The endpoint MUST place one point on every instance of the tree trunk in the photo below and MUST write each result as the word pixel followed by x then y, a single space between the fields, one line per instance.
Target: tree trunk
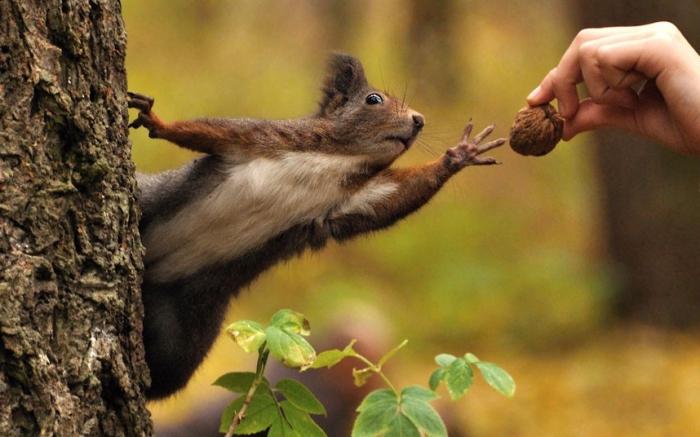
pixel 71 353
pixel 651 199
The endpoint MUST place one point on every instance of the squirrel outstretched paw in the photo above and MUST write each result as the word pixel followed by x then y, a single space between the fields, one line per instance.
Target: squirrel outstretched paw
pixel 146 117
pixel 467 151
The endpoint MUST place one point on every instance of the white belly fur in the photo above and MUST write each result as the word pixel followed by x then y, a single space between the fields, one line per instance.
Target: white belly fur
pixel 259 199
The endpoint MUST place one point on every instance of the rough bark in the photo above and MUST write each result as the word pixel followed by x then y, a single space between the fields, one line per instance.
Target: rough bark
pixel 71 355
pixel 650 195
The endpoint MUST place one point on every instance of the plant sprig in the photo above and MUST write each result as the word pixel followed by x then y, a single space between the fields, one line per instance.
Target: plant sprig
pixel 258 410
pixel 383 412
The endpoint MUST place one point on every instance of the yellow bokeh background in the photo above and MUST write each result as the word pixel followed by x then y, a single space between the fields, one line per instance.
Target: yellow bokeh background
pixel 507 262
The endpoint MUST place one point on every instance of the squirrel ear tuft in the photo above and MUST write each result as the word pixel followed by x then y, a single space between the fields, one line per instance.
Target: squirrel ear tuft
pixel 345 78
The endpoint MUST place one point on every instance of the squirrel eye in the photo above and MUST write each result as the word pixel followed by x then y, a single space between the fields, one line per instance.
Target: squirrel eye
pixel 374 99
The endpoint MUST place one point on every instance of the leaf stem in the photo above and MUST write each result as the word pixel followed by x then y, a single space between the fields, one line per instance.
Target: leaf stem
pixel 277 404
pixel 376 369
pixel 263 353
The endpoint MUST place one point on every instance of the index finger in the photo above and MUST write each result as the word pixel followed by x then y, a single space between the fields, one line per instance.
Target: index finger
pixel 561 81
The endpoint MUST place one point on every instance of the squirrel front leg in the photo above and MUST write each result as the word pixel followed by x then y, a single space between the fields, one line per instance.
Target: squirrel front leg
pixel 212 136
pixel 395 193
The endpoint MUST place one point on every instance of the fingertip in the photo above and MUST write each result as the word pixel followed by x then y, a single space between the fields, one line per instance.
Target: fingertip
pixel 543 93
pixel 534 97
pixel 540 96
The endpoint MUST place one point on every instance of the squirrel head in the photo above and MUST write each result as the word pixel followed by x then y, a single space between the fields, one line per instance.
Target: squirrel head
pixel 365 121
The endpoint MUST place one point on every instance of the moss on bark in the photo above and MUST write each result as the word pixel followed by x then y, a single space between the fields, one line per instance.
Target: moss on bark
pixel 71 355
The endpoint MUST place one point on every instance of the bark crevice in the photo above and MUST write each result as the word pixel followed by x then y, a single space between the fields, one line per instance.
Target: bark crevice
pixel 71 352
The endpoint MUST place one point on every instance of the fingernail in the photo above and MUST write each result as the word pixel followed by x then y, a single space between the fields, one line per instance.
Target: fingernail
pixel 534 93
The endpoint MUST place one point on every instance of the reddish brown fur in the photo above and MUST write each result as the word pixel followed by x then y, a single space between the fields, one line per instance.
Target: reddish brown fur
pixel 184 312
pixel 416 186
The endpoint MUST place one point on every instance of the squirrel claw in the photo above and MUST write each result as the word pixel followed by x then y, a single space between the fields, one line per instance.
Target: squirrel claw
pixel 146 117
pixel 467 151
pixel 467 131
pixel 484 161
pixel 139 101
pixel 139 121
pixel 483 134
pixel 491 145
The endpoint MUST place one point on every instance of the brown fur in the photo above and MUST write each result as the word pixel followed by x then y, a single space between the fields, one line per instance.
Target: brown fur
pixel 266 191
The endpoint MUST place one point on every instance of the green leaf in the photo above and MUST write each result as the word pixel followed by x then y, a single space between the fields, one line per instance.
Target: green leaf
pixel 229 412
pixel 291 321
pixel 444 360
pixel 497 378
pixel 249 335
pixel 260 414
pixel 471 358
pixel 237 382
pixel 377 411
pixel 391 353
pixel 332 357
pixel 289 348
pixel 381 397
pixel 436 377
pixel 401 426
pixel 423 416
pixel 418 393
pixel 281 428
pixel 458 378
pixel 361 376
pixel 300 421
pixel 329 358
pixel 300 396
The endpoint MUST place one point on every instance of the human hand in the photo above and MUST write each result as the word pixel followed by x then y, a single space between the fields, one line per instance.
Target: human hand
pixel 644 79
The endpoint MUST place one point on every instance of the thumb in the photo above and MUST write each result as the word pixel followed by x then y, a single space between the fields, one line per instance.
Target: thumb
pixel 591 115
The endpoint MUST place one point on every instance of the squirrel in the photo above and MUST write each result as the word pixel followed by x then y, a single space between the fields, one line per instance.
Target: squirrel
pixel 265 191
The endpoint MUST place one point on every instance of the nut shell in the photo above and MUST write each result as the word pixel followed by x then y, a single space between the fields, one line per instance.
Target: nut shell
pixel 536 130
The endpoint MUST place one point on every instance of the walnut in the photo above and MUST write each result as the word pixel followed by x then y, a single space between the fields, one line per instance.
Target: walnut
pixel 536 130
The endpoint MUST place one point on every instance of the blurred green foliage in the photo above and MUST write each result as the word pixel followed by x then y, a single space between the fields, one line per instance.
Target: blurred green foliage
pixel 509 254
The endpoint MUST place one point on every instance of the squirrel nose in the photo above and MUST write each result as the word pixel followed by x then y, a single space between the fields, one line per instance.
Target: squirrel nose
pixel 418 121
